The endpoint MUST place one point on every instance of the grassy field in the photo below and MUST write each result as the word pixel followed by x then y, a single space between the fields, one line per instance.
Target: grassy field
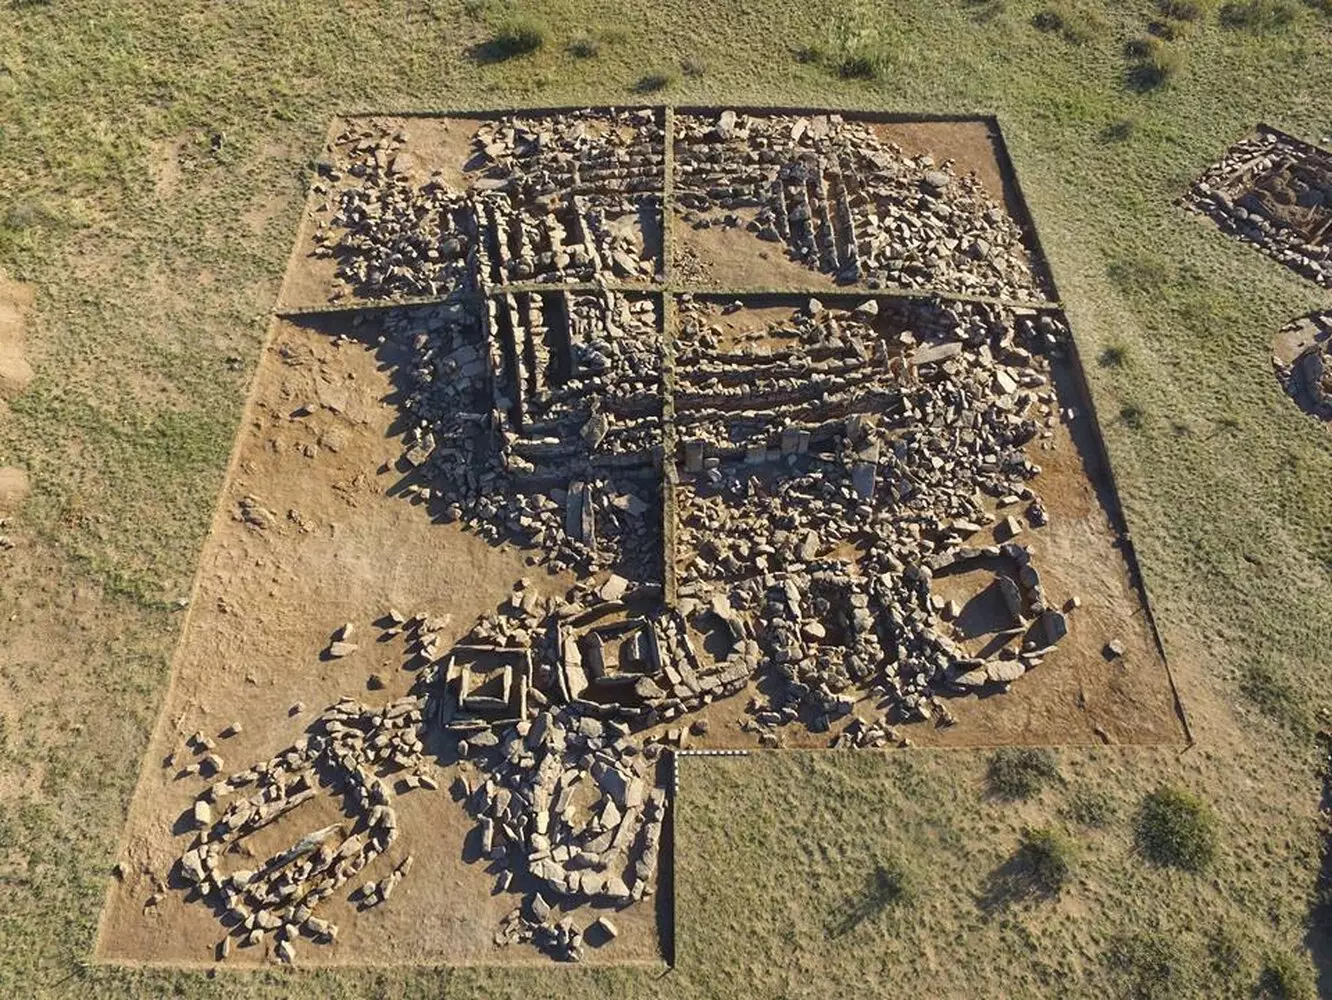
pixel 153 161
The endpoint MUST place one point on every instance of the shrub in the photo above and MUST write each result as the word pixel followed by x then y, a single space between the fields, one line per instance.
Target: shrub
pixel 584 47
pixel 1177 829
pixel 1170 30
pixel 1074 26
pixel 1114 356
pixel 1133 415
pixel 1182 10
pixel 1258 15
pixel 518 36
pixel 1148 967
pixel 1048 857
pixel 1285 977
pixel 1272 693
pixel 1020 772
pixel 1158 67
pixel 693 67
pixel 650 83
pixel 1091 807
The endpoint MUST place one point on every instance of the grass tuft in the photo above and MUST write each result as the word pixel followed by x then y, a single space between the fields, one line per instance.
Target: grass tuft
pixel 1183 10
pixel 1285 977
pixel 1271 692
pixel 693 67
pixel 1149 967
pixel 1133 416
pixel 1258 16
pixel 1091 807
pixel 518 36
pixel 1114 356
pixel 651 83
pixel 1177 829
pixel 1048 857
pixel 1020 772
pixel 1155 65
pixel 1077 27
pixel 584 47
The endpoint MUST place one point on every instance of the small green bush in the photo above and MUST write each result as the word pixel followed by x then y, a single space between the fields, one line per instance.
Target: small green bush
pixel 1285 977
pixel 1077 27
pixel 1149 967
pixel 1091 807
pixel 1170 30
pixel 1133 415
pixel 518 36
pixel 858 66
pixel 1048 857
pixel 1258 15
pixel 1272 693
pixel 1020 772
pixel 584 47
pixel 1183 10
pixel 652 82
pixel 1177 829
pixel 1114 356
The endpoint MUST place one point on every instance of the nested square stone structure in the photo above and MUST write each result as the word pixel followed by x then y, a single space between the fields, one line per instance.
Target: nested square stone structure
pixel 584 436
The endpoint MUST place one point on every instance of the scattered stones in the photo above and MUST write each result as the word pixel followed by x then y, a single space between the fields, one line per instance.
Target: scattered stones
pixel 1306 371
pixel 845 202
pixel 1274 192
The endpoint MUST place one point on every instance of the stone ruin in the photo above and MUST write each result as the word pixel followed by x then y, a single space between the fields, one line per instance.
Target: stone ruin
pixel 1307 377
pixel 758 516
pixel 848 203
pixel 1275 192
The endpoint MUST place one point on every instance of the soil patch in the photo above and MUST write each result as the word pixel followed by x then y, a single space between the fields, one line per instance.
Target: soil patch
pixel 16 300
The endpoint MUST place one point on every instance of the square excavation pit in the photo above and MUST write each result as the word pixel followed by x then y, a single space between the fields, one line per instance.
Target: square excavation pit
pixel 1275 192
pixel 522 499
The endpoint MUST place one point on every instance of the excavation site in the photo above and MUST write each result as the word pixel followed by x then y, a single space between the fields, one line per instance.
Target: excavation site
pixel 587 438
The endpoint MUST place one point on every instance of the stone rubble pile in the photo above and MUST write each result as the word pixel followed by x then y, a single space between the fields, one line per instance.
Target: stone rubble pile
pixel 1275 192
pixel 540 421
pixel 565 197
pixel 820 435
pixel 611 653
pixel 344 750
pixel 848 203
pixel 569 806
pixel 1308 378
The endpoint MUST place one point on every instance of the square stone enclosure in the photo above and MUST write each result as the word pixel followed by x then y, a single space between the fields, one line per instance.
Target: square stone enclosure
pixel 782 400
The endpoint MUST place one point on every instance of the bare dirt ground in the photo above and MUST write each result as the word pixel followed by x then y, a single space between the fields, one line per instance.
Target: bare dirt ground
pixel 324 543
pixel 16 299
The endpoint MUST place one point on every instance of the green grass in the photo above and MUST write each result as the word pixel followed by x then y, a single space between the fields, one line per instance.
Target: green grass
pixel 1177 829
pixel 1020 772
pixel 1091 807
pixel 142 296
pixel 1259 15
pixel 1048 856
pixel 1285 977
pixel 517 36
